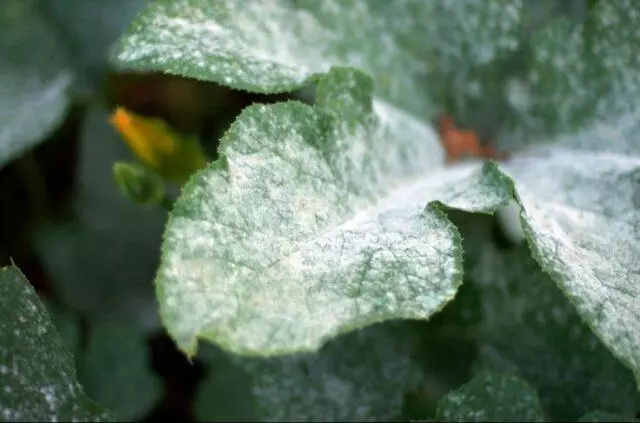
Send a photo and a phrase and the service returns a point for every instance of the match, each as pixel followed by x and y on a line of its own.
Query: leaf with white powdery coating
pixel 360 376
pixel 582 222
pixel 555 352
pixel 309 226
pixel 37 376
pixel 467 42
pixel 290 41
pixel 491 397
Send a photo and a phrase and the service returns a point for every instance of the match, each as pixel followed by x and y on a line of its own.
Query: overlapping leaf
pixel 523 325
pixel 252 239
pixel 491 397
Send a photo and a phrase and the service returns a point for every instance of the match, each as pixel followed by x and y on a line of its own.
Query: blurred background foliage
pixel 91 253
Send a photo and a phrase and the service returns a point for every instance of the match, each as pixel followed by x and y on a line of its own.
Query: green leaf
pixel 115 370
pixel 138 183
pixel 590 76
pixel 290 41
pixel 102 263
pixel 603 416
pixel 494 64
pixel 309 226
pixel 491 397
pixel 361 376
pixel 37 376
pixel 580 217
pixel 525 326
pixel 580 205
pixel 35 78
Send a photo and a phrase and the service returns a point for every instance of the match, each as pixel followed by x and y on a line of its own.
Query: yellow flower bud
pixel 173 156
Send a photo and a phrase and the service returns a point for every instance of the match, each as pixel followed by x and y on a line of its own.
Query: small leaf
pixel 138 183
pixel 491 397
pixel 37 375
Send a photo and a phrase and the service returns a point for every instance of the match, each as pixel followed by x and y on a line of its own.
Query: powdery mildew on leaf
pixel 525 326
pixel 34 78
pixel 592 74
pixel 467 64
pixel 581 217
pixel 248 45
pixel 491 397
pixel 361 376
pixel 37 376
pixel 310 226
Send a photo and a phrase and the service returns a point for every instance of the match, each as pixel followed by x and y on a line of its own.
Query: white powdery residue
pixel 50 395
pixel 278 35
pixel 587 235
pixel 410 135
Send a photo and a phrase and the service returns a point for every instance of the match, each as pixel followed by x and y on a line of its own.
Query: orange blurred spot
pixel 459 143
pixel 145 136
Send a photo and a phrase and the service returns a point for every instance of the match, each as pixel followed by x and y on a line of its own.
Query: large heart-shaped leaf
pixel 303 230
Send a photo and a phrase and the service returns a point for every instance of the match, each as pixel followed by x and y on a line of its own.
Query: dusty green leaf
pixel 35 77
pixel 37 375
pixel 116 371
pixel 310 225
pixel 361 376
pixel 581 218
pixel 523 325
pixel 494 64
pixel 591 75
pixel 580 204
pixel 102 263
pixel 491 397
pixel 289 41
